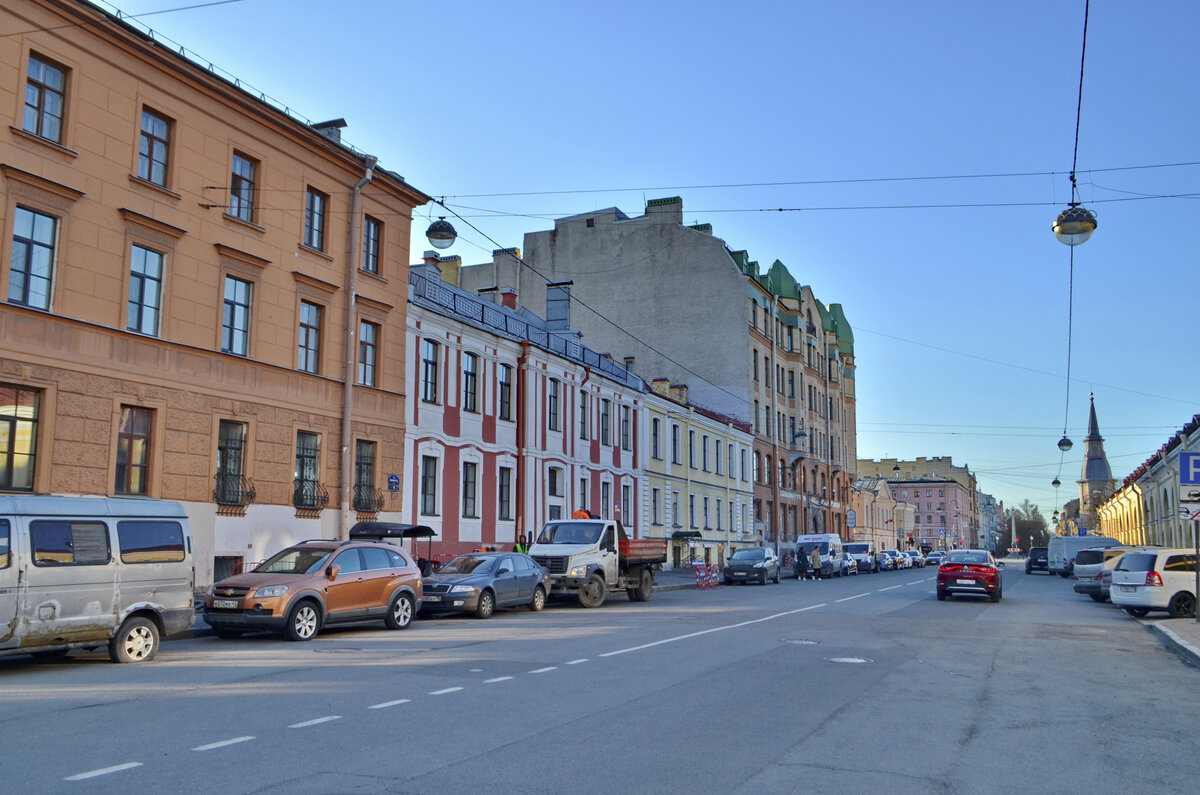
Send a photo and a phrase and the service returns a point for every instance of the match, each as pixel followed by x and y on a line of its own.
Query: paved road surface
pixel 861 684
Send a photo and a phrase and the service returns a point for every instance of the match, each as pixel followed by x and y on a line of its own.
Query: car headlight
pixel 461 589
pixel 762 564
pixel 578 571
pixel 271 590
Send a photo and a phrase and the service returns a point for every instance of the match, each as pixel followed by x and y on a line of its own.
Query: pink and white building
pixel 511 420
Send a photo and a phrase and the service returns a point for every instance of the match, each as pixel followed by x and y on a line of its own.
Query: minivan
pixel 89 572
pixel 829 546
pixel 1060 553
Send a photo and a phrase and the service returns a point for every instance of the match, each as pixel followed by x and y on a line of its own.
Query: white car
pixel 1161 579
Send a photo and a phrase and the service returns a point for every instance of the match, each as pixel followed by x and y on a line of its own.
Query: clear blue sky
pixel 959 313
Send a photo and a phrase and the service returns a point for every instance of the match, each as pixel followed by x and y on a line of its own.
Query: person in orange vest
pixel 581 514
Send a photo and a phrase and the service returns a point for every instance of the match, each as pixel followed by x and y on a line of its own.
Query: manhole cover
pixel 849 660
pixel 336 651
pixel 800 641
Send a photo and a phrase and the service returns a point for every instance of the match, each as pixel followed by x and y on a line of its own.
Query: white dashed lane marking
pixel 104 771
pixel 445 691
pixel 709 631
pixel 222 744
pixel 577 662
pixel 497 679
pixel 848 598
pixel 890 588
pixel 315 721
pixel 544 670
pixel 387 704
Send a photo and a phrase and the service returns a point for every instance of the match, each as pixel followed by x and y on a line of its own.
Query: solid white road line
pixel 444 692
pixel 889 588
pixel 497 679
pixel 387 704
pixel 104 771
pixel 709 631
pixel 916 582
pixel 848 598
pixel 577 662
pixel 315 721
pixel 222 743
pixel 544 670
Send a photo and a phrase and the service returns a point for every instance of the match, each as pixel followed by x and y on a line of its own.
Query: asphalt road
pixel 861 684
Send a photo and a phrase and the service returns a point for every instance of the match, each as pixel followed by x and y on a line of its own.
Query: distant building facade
pixel 678 303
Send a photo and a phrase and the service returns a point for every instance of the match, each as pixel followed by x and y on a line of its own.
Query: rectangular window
pixel 692 449
pixel 306 489
pixel 704 452
pixel 504 380
pixel 626 504
pixel 18 436
pixel 469 485
pixel 605 422
pixel 718 457
pixel 316 208
pixel 429 371
pixel 552 405
pixel 429 466
pixel 45 99
pixel 69 543
pixel 308 348
pixel 626 428
pixel 145 290
pixel 505 493
pixel 656 506
pixel 35 238
pixel 133 450
pixel 707 507
pixel 718 513
pixel 583 493
pixel 605 500
pixel 470 377
pixel 791 383
pixel 555 485
pixel 583 414
pixel 365 497
pixel 153 148
pixel 235 322
pixel 372 240
pixel 656 438
pixel 692 510
pixel 675 441
pixel 231 461
pixel 150 541
pixel 675 517
pixel 368 351
pixel 241 187
pixel 745 470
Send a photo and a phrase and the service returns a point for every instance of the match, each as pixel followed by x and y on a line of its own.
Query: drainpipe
pixel 523 427
pixel 352 242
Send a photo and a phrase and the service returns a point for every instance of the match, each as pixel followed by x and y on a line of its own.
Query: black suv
pixel 1037 561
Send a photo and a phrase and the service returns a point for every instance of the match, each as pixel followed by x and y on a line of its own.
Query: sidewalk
pixel 1181 635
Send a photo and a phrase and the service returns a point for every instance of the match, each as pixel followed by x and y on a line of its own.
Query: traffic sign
pixel 1189 469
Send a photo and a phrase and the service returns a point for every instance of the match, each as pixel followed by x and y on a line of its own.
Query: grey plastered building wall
pixel 648 288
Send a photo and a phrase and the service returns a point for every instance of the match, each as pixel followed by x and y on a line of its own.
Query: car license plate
pixel 965 582
pixel 432 598
pixel 1128 589
pixel 225 603
pixel 739 574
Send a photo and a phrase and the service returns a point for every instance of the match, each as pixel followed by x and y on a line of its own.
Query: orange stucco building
pixel 192 277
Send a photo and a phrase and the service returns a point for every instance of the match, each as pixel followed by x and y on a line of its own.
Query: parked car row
pixel 1138 579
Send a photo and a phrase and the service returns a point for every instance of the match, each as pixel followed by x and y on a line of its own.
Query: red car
pixel 970 571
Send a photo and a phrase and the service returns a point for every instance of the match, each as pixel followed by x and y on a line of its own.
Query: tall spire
pixel 1096 482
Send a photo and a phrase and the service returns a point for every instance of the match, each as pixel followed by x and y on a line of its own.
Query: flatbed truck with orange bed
pixel 591 559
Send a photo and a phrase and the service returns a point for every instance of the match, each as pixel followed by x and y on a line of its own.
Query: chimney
pixel 508 298
pixel 666 211
pixel 487 294
pixel 628 364
pixel 331 129
pixel 558 306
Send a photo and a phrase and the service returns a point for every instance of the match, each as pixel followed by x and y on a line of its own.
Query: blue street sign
pixel 393 483
pixel 1189 469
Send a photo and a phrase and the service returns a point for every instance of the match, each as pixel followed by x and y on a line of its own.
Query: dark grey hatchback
pixel 752 563
pixel 480 582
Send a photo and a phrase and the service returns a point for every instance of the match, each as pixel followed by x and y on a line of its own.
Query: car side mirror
pixel 333 571
pixel 502 571
pixel 1000 564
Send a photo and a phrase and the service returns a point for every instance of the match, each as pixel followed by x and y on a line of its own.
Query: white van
pixel 87 572
pixel 830 547
pixel 1060 553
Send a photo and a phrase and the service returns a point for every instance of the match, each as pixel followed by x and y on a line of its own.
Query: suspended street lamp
pixel 441 233
pixel 1065 443
pixel 1075 224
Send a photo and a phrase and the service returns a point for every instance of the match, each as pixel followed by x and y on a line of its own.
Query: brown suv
pixel 317 583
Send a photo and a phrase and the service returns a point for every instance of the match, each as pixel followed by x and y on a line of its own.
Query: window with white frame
pixel 470 484
pixel 470 376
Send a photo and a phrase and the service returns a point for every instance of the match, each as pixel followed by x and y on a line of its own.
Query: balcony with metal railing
pixel 233 490
pixel 309 495
pixel 367 499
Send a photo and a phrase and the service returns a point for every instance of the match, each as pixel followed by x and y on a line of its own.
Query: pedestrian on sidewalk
pixel 801 566
pixel 815 560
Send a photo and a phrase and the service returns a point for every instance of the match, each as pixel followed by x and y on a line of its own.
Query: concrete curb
pixel 1179 645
